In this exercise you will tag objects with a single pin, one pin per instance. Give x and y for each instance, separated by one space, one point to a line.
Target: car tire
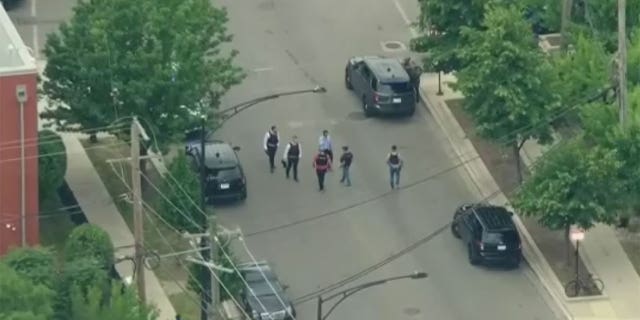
347 80
410 112
455 230
243 196
366 109
515 263
473 256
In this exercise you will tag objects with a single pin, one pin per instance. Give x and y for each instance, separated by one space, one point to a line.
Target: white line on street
405 17
262 69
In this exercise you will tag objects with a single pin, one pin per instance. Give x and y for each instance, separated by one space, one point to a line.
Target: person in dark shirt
322 164
395 164
292 154
345 163
270 144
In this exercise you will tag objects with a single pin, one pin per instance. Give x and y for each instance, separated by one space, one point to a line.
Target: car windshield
225 173
399 87
501 237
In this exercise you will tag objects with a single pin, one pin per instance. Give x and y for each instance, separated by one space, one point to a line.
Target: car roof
387 70
218 154
494 218
254 275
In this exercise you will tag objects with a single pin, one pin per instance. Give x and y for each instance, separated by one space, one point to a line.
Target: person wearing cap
322 164
345 163
270 143
292 154
395 164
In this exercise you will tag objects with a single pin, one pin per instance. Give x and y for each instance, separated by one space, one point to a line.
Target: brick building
18 136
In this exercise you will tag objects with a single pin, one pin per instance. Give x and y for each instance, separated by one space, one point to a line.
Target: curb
531 252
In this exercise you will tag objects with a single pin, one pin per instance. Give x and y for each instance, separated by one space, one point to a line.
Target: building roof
15 56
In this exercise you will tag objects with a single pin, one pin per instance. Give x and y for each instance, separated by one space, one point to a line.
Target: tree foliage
506 81
90 242
633 58
572 185
52 163
441 22
35 264
161 60
21 298
182 210
231 281
117 303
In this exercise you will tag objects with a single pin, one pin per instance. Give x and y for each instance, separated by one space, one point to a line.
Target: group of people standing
323 159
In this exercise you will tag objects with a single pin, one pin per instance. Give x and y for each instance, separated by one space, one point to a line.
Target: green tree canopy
52 163
117 303
21 298
506 81
182 210
162 60
441 22
88 241
35 264
572 184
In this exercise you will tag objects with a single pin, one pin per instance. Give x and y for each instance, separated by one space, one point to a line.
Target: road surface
293 44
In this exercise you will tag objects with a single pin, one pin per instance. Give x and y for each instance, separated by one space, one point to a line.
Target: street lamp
344 294
576 234
226 114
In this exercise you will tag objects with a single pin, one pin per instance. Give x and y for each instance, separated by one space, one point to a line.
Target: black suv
225 178
382 84
263 296
489 233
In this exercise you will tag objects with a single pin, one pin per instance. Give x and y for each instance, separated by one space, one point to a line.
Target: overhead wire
18 142
64 152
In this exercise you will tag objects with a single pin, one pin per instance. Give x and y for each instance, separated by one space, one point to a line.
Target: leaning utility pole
205 281
622 61
138 218
215 287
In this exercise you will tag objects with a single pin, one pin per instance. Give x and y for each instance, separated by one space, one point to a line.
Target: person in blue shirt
325 144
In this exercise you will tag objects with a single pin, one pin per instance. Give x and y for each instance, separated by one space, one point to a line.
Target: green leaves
161 60
572 184
90 242
52 164
506 81
116 303
181 211
35 264
22 299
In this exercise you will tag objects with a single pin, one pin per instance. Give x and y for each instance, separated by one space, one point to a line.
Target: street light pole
344 294
207 297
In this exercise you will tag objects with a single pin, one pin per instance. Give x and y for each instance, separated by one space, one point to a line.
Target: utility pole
213 250
622 61
205 281
138 218
567 5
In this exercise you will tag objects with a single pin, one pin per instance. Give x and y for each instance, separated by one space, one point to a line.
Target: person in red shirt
322 164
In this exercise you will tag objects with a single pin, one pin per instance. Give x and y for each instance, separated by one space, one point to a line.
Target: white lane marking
406 19
34 29
262 69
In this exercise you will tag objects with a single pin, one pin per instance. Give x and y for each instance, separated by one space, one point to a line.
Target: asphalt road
293 44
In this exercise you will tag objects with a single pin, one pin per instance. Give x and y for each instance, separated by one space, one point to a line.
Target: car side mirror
236 148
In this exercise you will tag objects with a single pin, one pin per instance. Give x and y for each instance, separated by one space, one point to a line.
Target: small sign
224 186
576 233
502 247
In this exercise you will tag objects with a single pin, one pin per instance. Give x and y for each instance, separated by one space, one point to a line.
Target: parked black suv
263 296
225 178
489 233
382 84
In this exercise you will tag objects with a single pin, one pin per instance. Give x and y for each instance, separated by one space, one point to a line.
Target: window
224 173
400 87
374 84
500 237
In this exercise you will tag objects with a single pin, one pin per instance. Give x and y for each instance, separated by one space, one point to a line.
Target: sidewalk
601 250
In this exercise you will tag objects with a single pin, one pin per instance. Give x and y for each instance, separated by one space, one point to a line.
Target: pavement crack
293 58
305 73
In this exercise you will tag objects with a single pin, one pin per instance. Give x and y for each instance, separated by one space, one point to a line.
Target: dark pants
292 163
320 174
329 154
271 152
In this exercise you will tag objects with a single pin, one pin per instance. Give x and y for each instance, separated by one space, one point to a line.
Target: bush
89 242
52 163
35 264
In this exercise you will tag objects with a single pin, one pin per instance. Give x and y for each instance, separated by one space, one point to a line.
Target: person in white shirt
325 144
292 154
270 143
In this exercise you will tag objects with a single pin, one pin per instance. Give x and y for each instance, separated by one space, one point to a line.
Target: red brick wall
10 221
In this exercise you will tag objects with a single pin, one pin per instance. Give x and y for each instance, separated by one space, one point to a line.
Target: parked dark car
225 179
382 84
263 297
489 234
9 4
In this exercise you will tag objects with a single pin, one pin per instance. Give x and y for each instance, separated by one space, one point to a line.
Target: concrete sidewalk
100 210
601 250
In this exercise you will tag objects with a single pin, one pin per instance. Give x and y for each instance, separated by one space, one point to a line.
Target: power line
17 142
64 152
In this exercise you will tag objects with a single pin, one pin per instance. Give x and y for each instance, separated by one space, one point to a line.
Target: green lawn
156 233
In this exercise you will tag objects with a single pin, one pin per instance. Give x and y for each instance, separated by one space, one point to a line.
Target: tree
160 60
118 303
633 58
182 211
22 299
572 185
90 242
83 274
441 22
506 81
231 281
52 164
35 264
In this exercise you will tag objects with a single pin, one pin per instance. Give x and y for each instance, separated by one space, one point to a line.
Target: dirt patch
502 165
